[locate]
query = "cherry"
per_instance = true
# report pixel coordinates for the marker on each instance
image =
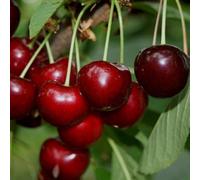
(60, 105)
(32, 121)
(61, 162)
(14, 17)
(20, 55)
(105, 85)
(55, 72)
(162, 70)
(43, 176)
(83, 134)
(129, 113)
(22, 97)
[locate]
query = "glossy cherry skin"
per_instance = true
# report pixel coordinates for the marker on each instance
(105, 85)
(14, 17)
(43, 176)
(131, 111)
(60, 105)
(84, 133)
(22, 97)
(20, 55)
(61, 162)
(162, 70)
(32, 121)
(53, 72)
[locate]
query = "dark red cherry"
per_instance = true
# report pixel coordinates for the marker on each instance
(44, 176)
(162, 70)
(22, 97)
(14, 17)
(83, 134)
(129, 113)
(32, 121)
(20, 55)
(105, 85)
(61, 162)
(55, 72)
(60, 105)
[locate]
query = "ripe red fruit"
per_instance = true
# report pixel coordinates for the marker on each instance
(14, 17)
(55, 72)
(20, 55)
(83, 134)
(43, 176)
(32, 121)
(105, 85)
(131, 111)
(60, 105)
(22, 97)
(162, 70)
(62, 162)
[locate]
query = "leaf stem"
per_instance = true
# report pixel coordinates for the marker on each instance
(50, 55)
(120, 158)
(105, 55)
(121, 31)
(73, 42)
(163, 31)
(157, 23)
(34, 56)
(185, 47)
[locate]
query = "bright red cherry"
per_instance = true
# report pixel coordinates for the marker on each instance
(55, 72)
(22, 97)
(20, 55)
(105, 85)
(60, 105)
(62, 162)
(129, 113)
(14, 17)
(83, 134)
(162, 70)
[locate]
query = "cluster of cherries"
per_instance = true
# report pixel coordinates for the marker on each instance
(101, 92)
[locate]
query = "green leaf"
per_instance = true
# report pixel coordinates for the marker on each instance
(168, 137)
(152, 8)
(42, 14)
(124, 167)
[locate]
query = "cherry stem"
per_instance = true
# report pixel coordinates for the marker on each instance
(77, 55)
(76, 48)
(34, 56)
(67, 81)
(185, 47)
(105, 55)
(157, 23)
(121, 31)
(163, 31)
(32, 43)
(50, 55)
